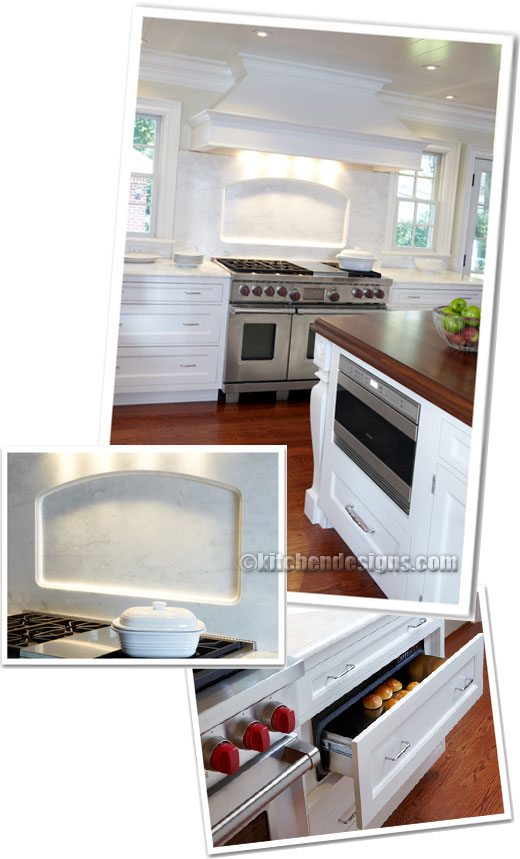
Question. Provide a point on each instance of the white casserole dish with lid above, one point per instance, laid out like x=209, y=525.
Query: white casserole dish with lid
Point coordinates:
x=158, y=631
x=356, y=259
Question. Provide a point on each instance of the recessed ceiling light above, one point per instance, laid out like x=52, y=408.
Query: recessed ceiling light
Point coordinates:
x=450, y=97
x=431, y=68
x=262, y=34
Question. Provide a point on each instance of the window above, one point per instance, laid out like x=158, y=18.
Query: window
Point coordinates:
x=474, y=261
x=153, y=170
x=144, y=180
x=416, y=204
x=421, y=204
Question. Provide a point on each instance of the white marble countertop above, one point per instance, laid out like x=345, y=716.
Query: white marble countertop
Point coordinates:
x=310, y=630
x=412, y=275
x=167, y=268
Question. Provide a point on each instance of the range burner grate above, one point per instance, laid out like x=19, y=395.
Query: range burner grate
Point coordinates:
x=37, y=627
x=351, y=272
x=261, y=266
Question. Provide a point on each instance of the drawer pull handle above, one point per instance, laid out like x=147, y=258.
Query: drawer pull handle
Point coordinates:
x=192, y=293
x=348, y=820
x=191, y=324
x=348, y=668
x=188, y=365
x=415, y=625
x=358, y=520
x=467, y=683
x=404, y=748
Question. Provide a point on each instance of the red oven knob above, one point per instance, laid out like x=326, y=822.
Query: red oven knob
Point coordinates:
x=379, y=293
x=244, y=290
x=257, y=290
x=357, y=292
x=221, y=756
x=269, y=290
x=279, y=718
x=333, y=296
x=256, y=737
x=369, y=293
x=282, y=290
x=294, y=295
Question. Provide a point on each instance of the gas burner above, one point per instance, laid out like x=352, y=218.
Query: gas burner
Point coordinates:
x=261, y=266
x=28, y=628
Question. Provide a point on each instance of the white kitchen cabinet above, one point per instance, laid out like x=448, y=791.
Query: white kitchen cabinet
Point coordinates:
x=172, y=336
x=374, y=527
x=446, y=533
x=425, y=296
x=363, y=778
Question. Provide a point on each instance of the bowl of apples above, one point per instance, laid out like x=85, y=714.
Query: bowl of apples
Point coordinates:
x=458, y=324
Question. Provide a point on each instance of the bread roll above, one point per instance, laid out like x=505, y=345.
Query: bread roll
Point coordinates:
x=372, y=702
x=384, y=692
x=394, y=684
x=390, y=703
x=401, y=694
x=412, y=685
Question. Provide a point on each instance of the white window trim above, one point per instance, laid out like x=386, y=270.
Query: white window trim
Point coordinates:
x=445, y=205
x=170, y=115
x=472, y=154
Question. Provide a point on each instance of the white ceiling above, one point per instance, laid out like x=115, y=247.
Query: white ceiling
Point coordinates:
x=468, y=70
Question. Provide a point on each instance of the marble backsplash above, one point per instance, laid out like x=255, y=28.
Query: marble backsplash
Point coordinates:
x=254, y=474
x=201, y=221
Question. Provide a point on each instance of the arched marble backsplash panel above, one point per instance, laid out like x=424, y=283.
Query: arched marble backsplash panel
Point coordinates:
x=143, y=534
x=279, y=211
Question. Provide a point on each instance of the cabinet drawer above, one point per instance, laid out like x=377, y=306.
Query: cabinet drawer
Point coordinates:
x=333, y=677
x=383, y=758
x=168, y=369
x=178, y=293
x=333, y=813
x=146, y=327
x=428, y=298
x=454, y=446
x=366, y=527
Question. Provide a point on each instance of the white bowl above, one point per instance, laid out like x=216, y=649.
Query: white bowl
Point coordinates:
x=430, y=264
x=188, y=259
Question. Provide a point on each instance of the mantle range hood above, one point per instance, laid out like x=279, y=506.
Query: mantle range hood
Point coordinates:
x=307, y=111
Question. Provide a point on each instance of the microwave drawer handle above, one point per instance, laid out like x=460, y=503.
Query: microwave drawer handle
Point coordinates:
x=404, y=748
x=358, y=520
x=348, y=669
x=191, y=324
x=296, y=758
x=466, y=684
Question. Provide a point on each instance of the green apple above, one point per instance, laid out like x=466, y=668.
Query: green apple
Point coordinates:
x=472, y=315
x=458, y=305
x=452, y=323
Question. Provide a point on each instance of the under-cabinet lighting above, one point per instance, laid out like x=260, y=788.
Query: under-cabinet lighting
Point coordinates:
x=450, y=97
x=262, y=34
x=431, y=68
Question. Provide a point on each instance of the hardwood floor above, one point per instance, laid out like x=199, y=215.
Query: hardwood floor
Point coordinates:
x=465, y=781
x=257, y=419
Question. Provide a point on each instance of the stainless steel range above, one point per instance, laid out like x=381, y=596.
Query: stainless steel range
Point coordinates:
x=273, y=303
x=252, y=754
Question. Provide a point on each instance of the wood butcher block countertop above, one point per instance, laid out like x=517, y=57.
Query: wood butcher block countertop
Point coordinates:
x=405, y=345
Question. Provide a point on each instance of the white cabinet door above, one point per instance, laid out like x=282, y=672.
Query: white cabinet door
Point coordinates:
x=446, y=535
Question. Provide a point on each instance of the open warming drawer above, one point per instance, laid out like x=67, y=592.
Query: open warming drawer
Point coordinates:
x=386, y=756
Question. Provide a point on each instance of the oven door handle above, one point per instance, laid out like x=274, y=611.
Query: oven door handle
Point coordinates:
x=294, y=758
x=238, y=311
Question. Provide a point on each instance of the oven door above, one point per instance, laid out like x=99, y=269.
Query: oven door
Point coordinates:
x=258, y=344
x=301, y=357
x=378, y=438
x=242, y=807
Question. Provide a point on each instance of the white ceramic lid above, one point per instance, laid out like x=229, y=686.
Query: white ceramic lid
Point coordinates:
x=355, y=253
x=159, y=616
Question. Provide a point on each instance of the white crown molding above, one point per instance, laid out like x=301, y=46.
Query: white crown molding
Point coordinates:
x=185, y=71
x=216, y=131
x=244, y=63
x=449, y=115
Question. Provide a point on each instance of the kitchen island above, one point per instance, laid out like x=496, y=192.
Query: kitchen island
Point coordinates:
x=391, y=429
